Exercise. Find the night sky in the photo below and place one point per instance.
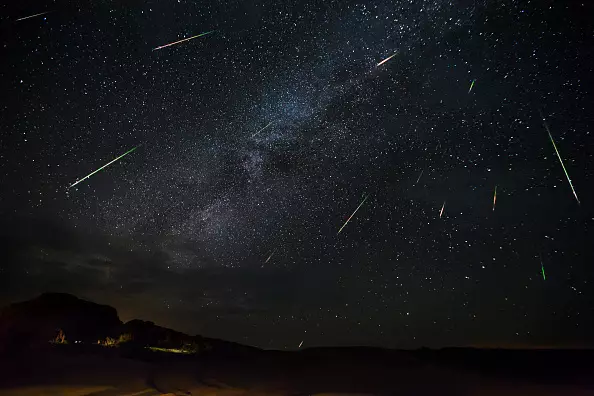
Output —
(258, 140)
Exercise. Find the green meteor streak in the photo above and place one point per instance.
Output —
(471, 85)
(542, 270)
(559, 156)
(104, 166)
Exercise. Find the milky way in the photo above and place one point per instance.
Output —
(259, 139)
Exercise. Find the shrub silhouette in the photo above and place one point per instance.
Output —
(60, 338)
(126, 337)
(110, 342)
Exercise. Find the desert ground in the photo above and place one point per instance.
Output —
(55, 372)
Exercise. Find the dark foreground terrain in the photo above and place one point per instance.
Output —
(63, 370)
(146, 359)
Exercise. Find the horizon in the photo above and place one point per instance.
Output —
(304, 347)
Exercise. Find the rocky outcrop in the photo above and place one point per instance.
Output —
(149, 334)
(64, 317)
(35, 322)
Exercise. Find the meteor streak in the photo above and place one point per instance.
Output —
(559, 156)
(104, 166)
(419, 177)
(257, 133)
(349, 219)
(182, 40)
(542, 269)
(442, 208)
(32, 16)
(471, 85)
(387, 59)
(300, 344)
(494, 197)
(269, 257)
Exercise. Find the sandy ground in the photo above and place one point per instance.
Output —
(111, 376)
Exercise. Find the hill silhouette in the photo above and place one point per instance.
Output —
(34, 323)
